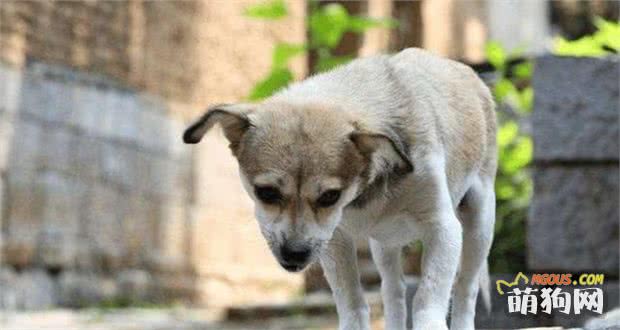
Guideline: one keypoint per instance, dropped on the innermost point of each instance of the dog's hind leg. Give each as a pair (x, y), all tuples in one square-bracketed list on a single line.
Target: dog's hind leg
[(477, 214), (440, 231), (389, 264), (339, 262)]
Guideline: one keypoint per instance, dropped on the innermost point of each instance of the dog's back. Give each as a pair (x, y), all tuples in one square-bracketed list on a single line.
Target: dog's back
[(463, 110), (431, 102)]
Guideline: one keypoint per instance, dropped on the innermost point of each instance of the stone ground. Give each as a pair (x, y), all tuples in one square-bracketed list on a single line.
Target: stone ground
[(313, 311), (158, 319), (177, 319), (150, 319)]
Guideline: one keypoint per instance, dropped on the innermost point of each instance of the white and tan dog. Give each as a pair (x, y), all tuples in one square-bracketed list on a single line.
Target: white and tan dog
[(394, 148)]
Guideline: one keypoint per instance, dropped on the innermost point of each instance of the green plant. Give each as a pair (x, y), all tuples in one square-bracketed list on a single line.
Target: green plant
[(326, 26), (605, 41), (513, 187)]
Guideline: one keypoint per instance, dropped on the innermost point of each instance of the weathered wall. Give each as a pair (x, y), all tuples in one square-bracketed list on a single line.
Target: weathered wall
[(99, 198), (192, 52), (573, 224), (147, 45), (93, 180)]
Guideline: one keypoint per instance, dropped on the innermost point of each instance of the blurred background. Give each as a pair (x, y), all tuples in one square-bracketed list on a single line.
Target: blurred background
[(108, 221)]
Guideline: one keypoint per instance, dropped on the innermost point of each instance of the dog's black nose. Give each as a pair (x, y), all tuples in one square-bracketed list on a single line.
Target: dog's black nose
[(294, 256)]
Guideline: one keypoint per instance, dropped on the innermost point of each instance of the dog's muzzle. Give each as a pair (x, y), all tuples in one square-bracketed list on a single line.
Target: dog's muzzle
[(294, 259)]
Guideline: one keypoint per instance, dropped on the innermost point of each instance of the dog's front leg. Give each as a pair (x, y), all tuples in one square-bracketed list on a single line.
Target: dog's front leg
[(339, 261), (389, 264)]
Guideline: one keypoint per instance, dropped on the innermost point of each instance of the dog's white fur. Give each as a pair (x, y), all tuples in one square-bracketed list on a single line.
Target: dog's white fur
[(444, 120)]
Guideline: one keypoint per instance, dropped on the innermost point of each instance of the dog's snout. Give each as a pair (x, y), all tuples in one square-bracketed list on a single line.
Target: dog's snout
[(293, 255)]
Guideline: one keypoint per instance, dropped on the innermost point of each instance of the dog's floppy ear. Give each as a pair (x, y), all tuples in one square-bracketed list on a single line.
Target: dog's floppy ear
[(384, 154), (233, 118)]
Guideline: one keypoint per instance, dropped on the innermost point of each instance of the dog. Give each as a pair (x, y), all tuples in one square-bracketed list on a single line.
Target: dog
[(390, 148)]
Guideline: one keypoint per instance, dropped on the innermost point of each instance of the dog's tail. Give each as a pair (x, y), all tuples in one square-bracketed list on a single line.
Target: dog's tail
[(485, 286)]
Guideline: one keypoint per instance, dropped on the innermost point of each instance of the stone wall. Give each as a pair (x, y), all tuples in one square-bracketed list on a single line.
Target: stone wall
[(95, 185), (100, 200), (573, 224)]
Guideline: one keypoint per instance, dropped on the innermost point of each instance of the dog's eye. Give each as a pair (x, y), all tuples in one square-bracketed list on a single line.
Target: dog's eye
[(328, 198), (268, 195)]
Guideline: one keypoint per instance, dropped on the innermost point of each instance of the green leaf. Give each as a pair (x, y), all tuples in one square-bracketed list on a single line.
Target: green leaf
[(503, 88), (523, 152), (608, 33), (284, 52), (583, 47), (277, 79), (518, 156), (604, 41), (269, 10), (359, 24), (330, 62), (328, 24), (496, 55), (504, 190), (507, 133), (523, 70)]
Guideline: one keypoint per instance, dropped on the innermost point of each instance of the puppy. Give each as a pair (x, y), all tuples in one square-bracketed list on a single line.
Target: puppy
[(390, 148)]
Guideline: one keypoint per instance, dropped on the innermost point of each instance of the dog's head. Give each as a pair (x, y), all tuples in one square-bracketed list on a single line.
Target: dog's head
[(302, 165)]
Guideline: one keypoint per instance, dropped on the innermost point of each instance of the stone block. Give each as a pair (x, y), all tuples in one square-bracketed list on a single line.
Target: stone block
[(25, 146), (174, 287), (118, 165), (171, 245), (8, 285), (6, 138), (24, 211), (576, 108), (46, 99), (134, 284), (2, 196), (56, 149), (35, 289), (143, 161), (58, 239), (154, 129), (86, 157), (10, 84), (4, 85), (103, 228), (124, 115), (153, 103), (159, 175), (82, 289), (90, 105), (139, 228), (573, 223)]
